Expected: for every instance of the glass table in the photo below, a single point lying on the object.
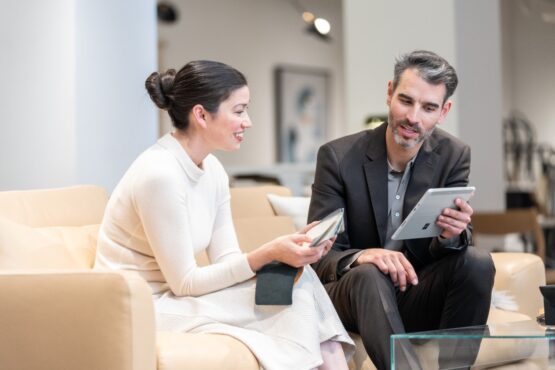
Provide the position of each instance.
(514, 345)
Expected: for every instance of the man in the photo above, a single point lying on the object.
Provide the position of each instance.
(380, 286)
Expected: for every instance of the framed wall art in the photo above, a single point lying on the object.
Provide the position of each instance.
(302, 102)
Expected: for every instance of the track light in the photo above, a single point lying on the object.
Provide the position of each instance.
(322, 26)
(316, 25)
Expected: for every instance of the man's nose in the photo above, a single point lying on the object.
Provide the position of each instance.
(413, 115)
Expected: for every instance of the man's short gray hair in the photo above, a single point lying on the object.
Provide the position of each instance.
(431, 67)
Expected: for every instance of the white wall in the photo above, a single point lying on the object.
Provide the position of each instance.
(115, 118)
(73, 107)
(532, 52)
(255, 36)
(380, 30)
(37, 146)
(480, 116)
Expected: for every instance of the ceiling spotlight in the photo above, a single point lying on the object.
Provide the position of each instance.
(317, 26)
(322, 26)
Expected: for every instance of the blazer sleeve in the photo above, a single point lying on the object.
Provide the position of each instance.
(458, 176)
(328, 194)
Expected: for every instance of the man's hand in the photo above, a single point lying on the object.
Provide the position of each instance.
(392, 263)
(454, 222)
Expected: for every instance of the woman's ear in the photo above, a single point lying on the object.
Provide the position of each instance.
(200, 114)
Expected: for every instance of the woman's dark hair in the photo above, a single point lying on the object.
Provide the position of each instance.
(201, 82)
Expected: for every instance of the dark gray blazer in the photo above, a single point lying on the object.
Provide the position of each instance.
(351, 172)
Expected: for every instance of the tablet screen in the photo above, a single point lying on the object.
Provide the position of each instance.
(421, 221)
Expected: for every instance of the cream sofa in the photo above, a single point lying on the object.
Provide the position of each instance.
(56, 313)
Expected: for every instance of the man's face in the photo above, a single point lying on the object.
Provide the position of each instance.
(415, 108)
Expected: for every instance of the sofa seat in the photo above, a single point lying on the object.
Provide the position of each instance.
(56, 313)
(179, 351)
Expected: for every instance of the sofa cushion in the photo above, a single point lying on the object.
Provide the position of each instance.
(520, 274)
(178, 351)
(252, 232)
(294, 207)
(80, 241)
(25, 247)
(70, 206)
(252, 201)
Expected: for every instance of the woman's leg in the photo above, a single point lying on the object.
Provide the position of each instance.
(334, 358)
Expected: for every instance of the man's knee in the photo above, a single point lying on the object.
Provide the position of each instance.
(477, 269)
(479, 262)
(367, 278)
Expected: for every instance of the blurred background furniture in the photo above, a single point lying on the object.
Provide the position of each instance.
(56, 313)
(530, 176)
(521, 221)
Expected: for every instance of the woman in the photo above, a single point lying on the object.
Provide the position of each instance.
(174, 202)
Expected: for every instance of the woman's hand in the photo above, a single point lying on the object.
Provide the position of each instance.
(305, 228)
(326, 246)
(289, 249)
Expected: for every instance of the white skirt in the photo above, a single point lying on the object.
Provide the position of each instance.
(281, 337)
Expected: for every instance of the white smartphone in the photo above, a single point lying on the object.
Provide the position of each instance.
(329, 226)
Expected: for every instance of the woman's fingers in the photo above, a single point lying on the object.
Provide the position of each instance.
(305, 229)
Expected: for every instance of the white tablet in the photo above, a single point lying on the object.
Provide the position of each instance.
(329, 226)
(421, 221)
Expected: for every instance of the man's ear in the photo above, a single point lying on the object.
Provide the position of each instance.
(199, 114)
(389, 92)
(444, 110)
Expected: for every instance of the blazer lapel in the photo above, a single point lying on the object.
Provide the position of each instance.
(375, 171)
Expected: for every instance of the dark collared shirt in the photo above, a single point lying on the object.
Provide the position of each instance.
(397, 183)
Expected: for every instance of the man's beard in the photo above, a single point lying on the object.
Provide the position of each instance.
(410, 143)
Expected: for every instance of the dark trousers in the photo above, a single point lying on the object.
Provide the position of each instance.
(454, 291)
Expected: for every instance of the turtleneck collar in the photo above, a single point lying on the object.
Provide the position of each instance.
(174, 147)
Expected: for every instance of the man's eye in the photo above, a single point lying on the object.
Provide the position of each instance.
(430, 109)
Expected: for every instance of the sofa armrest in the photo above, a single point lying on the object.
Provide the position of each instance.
(520, 275)
(76, 320)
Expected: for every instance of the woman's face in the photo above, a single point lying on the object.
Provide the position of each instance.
(226, 128)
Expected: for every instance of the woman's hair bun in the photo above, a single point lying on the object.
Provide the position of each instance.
(160, 88)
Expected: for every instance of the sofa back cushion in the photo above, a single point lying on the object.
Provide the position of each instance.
(294, 207)
(25, 247)
(50, 228)
(70, 206)
(251, 201)
(252, 232)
